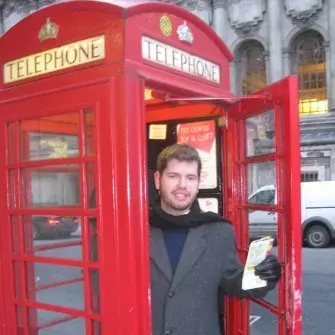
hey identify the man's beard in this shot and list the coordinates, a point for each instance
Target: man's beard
(175, 205)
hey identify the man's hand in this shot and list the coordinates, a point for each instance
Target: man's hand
(269, 270)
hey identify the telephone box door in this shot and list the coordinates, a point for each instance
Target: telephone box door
(263, 164)
(50, 259)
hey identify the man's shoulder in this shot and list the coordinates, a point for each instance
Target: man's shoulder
(222, 226)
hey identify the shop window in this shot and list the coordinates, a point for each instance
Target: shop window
(251, 67)
(309, 63)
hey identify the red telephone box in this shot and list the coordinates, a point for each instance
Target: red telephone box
(80, 82)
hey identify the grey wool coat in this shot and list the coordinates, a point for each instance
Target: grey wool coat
(186, 303)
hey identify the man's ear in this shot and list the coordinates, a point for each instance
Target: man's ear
(157, 178)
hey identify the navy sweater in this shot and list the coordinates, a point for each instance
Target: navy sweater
(174, 243)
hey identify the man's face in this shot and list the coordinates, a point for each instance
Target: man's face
(178, 186)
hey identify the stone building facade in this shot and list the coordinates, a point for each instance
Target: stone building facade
(269, 40)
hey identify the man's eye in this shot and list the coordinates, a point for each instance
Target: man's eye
(192, 178)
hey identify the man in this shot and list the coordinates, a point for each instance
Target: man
(193, 253)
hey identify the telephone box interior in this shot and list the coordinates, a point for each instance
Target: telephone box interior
(91, 92)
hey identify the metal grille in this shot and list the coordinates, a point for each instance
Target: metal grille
(309, 176)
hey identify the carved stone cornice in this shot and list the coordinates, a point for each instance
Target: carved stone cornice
(247, 28)
(220, 3)
(246, 16)
(303, 13)
(22, 6)
(191, 4)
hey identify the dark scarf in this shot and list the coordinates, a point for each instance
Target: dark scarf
(195, 218)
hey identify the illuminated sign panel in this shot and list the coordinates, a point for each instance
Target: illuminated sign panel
(63, 57)
(177, 59)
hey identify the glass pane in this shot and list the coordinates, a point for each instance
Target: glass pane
(261, 183)
(12, 194)
(42, 231)
(272, 296)
(17, 280)
(54, 323)
(69, 249)
(11, 143)
(15, 228)
(96, 327)
(262, 322)
(57, 285)
(51, 186)
(20, 324)
(90, 184)
(95, 293)
(49, 137)
(262, 223)
(89, 126)
(260, 134)
(92, 234)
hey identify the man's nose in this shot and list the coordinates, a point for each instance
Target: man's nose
(182, 182)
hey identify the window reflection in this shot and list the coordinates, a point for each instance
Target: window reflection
(262, 223)
(260, 134)
(51, 186)
(261, 182)
(50, 137)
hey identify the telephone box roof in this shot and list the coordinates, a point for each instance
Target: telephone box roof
(135, 7)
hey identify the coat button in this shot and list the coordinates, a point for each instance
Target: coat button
(168, 332)
(171, 294)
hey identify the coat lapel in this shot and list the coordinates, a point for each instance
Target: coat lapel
(195, 245)
(158, 252)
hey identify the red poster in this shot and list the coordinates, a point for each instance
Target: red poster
(199, 135)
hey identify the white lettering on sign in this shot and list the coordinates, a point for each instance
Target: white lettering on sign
(166, 55)
(63, 57)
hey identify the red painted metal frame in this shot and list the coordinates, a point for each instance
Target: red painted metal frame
(3, 328)
(284, 101)
(40, 107)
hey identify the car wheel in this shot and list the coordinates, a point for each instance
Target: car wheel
(317, 237)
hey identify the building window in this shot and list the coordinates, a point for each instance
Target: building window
(309, 176)
(309, 63)
(251, 67)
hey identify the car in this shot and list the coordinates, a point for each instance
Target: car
(54, 226)
(317, 213)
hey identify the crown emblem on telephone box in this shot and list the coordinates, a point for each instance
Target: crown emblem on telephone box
(48, 31)
(184, 33)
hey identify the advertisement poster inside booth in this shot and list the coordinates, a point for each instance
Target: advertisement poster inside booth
(201, 136)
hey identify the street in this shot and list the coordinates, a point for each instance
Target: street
(318, 294)
(317, 300)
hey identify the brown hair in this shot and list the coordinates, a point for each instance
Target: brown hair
(181, 152)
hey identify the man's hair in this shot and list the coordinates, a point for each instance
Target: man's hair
(180, 152)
